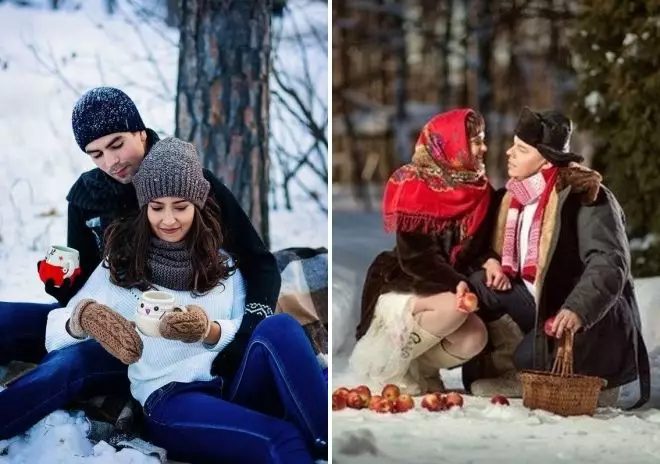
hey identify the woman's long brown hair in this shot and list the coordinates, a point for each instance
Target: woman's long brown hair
(128, 239)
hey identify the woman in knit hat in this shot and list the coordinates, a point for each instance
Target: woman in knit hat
(275, 409)
(414, 297)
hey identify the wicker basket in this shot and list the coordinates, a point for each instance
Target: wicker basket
(560, 391)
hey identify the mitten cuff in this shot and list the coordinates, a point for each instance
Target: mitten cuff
(74, 326)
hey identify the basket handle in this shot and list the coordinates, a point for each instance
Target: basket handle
(563, 364)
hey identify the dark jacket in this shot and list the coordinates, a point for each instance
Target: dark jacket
(584, 266)
(419, 264)
(95, 200)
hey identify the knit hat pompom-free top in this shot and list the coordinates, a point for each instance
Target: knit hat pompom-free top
(103, 111)
(171, 169)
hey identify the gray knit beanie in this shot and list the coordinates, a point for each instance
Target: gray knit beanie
(171, 169)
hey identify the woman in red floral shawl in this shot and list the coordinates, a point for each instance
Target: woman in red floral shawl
(414, 319)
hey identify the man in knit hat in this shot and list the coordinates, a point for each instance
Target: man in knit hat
(109, 129)
(562, 241)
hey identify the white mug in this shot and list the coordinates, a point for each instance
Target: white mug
(66, 258)
(153, 305)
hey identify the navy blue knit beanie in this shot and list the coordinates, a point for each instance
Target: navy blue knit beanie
(103, 111)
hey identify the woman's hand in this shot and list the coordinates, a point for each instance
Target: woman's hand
(114, 332)
(188, 326)
(495, 276)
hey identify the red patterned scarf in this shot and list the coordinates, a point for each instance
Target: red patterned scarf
(525, 192)
(444, 184)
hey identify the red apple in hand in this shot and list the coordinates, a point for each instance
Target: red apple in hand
(338, 402)
(403, 403)
(470, 302)
(499, 399)
(391, 392)
(454, 399)
(547, 327)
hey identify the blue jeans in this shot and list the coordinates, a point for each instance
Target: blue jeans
(85, 369)
(275, 411)
(23, 331)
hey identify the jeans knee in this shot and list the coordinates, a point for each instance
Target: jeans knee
(276, 325)
(286, 443)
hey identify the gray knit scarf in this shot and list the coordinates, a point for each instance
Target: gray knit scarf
(171, 264)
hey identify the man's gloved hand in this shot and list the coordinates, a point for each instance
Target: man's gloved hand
(64, 292)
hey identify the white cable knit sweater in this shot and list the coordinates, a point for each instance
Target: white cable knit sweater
(163, 361)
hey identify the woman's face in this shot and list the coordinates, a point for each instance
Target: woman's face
(478, 150)
(170, 218)
(523, 160)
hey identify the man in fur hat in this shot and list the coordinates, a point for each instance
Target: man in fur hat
(562, 241)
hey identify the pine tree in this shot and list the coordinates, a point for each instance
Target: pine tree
(616, 45)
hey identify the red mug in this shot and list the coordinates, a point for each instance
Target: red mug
(61, 262)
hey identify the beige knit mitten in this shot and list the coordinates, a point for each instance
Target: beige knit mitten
(188, 326)
(114, 332)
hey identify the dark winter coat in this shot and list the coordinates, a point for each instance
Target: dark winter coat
(419, 264)
(584, 266)
(95, 200)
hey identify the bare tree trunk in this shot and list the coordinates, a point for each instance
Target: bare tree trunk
(445, 87)
(553, 57)
(111, 6)
(173, 18)
(55, 4)
(401, 123)
(355, 155)
(485, 34)
(465, 93)
(223, 97)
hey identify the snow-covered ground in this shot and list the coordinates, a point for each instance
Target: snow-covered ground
(480, 432)
(47, 59)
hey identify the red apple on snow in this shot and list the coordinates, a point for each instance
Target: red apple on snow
(354, 400)
(454, 399)
(342, 391)
(385, 406)
(338, 402)
(404, 402)
(432, 402)
(365, 397)
(391, 392)
(374, 402)
(364, 389)
(500, 399)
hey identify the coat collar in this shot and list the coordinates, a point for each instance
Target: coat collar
(582, 180)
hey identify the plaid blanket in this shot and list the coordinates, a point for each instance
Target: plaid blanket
(304, 291)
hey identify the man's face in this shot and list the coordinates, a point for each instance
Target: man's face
(523, 160)
(119, 155)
